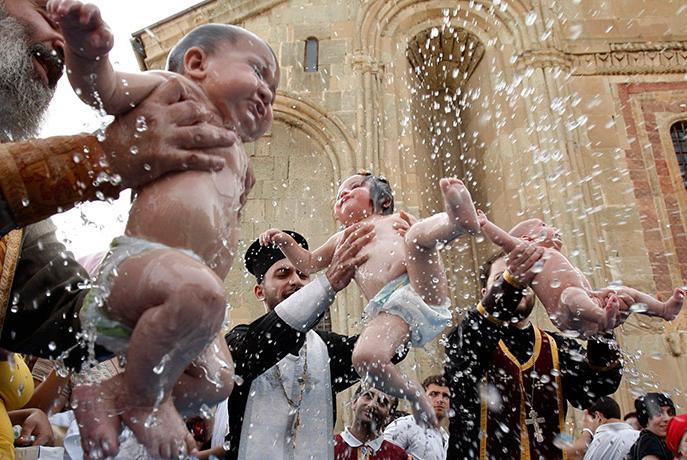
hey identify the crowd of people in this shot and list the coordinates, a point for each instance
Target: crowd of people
(127, 351)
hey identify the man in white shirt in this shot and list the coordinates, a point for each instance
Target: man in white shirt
(421, 442)
(613, 438)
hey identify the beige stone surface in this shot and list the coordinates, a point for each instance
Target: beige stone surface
(545, 126)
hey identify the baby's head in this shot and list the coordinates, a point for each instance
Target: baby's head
(237, 70)
(361, 196)
(537, 231)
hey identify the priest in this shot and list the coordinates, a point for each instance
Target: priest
(514, 379)
(283, 406)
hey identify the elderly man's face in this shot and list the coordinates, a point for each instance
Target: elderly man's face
(281, 280)
(31, 63)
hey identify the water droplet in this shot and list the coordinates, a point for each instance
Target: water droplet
(141, 124)
(639, 307)
(160, 368)
(52, 346)
(133, 150)
(531, 18)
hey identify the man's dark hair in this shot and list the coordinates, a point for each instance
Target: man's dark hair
(630, 415)
(485, 269)
(438, 380)
(650, 405)
(606, 406)
(381, 196)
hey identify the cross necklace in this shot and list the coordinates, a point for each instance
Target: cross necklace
(295, 403)
(533, 419)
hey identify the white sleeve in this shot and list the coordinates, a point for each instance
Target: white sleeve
(302, 310)
(397, 434)
(221, 423)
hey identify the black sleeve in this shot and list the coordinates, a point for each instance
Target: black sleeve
(589, 374)
(340, 349)
(648, 445)
(258, 346)
(47, 292)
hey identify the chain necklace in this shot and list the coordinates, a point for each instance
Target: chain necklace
(534, 418)
(295, 404)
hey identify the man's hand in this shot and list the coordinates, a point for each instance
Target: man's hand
(171, 130)
(520, 261)
(36, 430)
(346, 259)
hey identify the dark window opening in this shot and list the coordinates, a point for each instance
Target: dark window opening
(678, 133)
(312, 49)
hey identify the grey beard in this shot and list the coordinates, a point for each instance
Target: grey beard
(24, 98)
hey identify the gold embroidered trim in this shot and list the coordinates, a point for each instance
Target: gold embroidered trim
(10, 247)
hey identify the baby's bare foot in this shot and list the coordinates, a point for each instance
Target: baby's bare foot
(82, 26)
(423, 412)
(459, 206)
(672, 307)
(99, 422)
(161, 430)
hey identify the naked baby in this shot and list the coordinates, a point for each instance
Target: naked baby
(565, 292)
(159, 296)
(403, 278)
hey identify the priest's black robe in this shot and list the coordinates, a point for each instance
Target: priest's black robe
(475, 347)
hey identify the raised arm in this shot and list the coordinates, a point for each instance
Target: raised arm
(496, 234)
(88, 41)
(305, 261)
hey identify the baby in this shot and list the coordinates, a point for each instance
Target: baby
(566, 293)
(159, 295)
(403, 278)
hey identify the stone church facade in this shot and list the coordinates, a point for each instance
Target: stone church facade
(569, 110)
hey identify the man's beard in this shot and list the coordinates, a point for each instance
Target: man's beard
(24, 98)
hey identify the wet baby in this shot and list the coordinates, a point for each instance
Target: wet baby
(565, 292)
(159, 296)
(402, 278)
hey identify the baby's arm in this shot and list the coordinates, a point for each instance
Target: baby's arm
(88, 42)
(304, 260)
(496, 234)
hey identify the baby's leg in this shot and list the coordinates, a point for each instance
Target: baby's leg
(207, 381)
(667, 310)
(372, 355)
(95, 406)
(424, 266)
(176, 306)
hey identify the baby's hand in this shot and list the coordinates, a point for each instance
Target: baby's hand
(273, 236)
(482, 218)
(83, 28)
(403, 223)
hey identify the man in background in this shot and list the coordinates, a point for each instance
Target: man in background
(421, 442)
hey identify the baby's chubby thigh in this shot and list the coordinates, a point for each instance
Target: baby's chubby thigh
(188, 297)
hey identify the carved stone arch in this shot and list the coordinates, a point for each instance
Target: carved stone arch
(379, 18)
(323, 128)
